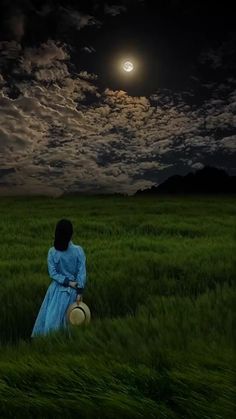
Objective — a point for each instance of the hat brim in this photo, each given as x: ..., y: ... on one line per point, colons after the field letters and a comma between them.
x: 78, y: 313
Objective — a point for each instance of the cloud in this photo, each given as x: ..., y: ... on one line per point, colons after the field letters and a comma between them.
x: 229, y: 144
x: 45, y: 10
x: 15, y: 24
x: 55, y: 143
x: 77, y: 19
x: 87, y: 76
x: 2, y: 81
x: 5, y: 171
x: 212, y: 57
x: 10, y: 52
x: 197, y: 165
x: 56, y: 72
x: 89, y: 49
x: 221, y: 57
x: 114, y: 9
x: 48, y: 55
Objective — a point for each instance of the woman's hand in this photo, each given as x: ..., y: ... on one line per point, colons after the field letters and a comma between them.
x: 78, y: 298
x: 72, y: 284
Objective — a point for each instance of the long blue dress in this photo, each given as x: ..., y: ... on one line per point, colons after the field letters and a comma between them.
x: 69, y: 263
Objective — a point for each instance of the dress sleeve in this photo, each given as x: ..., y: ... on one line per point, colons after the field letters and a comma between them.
x: 61, y: 279
x: 81, y: 271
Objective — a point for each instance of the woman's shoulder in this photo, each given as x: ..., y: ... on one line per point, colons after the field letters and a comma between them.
x: 51, y: 250
x: 78, y: 247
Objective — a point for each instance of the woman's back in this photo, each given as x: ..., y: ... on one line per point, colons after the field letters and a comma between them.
x: 66, y: 262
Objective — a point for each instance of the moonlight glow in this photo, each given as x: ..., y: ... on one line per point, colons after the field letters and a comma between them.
x: 128, y: 66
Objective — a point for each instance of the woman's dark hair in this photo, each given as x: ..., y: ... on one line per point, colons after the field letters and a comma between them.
x: 63, y: 234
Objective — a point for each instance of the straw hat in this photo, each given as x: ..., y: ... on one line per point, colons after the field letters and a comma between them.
x: 78, y: 313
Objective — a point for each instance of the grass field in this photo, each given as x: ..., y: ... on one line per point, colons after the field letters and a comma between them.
x: 160, y: 285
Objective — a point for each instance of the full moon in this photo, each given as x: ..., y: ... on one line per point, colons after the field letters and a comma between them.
x: 128, y: 66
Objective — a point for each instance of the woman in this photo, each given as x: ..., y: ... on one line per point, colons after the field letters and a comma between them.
x: 67, y: 269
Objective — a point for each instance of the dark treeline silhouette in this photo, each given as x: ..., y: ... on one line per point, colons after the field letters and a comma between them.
x: 203, y: 181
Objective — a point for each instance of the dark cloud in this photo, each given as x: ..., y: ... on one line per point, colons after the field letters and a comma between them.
x: 114, y: 9
x: 4, y: 172
x: 77, y: 19
x: 16, y: 25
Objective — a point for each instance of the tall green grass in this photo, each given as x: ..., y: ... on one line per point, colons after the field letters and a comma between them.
x: 160, y: 285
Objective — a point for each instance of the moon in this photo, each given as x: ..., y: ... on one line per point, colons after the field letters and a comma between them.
x: 128, y: 66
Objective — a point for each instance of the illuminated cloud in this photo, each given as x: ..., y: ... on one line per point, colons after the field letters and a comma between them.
x: 87, y: 76
x: 88, y: 49
x: 122, y: 144
x: 54, y: 138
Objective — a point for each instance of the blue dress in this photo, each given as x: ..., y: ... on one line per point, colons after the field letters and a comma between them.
x: 69, y: 263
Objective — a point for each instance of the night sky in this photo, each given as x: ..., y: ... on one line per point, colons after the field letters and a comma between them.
x: 73, y: 121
